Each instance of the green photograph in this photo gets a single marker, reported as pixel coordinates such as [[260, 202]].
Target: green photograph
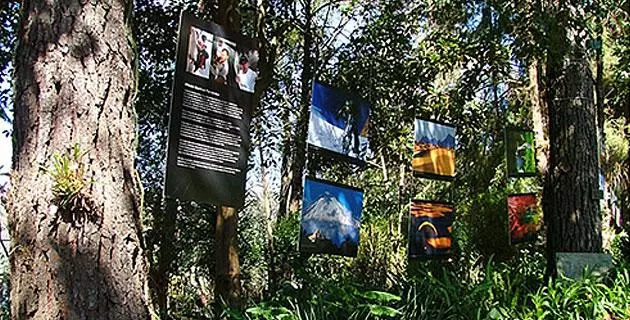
[[520, 152]]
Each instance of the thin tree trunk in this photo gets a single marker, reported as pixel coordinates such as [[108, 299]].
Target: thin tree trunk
[[75, 82], [227, 268], [268, 53], [228, 274], [625, 197], [540, 117], [401, 201], [285, 172], [266, 201], [299, 150], [165, 224]]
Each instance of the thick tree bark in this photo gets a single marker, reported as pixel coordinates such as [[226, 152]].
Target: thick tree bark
[[571, 190], [75, 83], [570, 199]]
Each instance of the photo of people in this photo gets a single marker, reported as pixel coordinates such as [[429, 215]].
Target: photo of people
[[430, 228], [525, 217], [246, 74], [521, 155], [331, 218], [339, 122], [433, 150], [198, 58], [224, 56]]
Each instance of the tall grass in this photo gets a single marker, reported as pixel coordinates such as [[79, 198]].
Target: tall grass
[[498, 291]]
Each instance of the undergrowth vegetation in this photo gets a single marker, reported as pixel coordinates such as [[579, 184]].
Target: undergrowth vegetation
[[499, 290]]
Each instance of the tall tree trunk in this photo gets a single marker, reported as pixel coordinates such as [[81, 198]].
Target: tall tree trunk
[[625, 201], [75, 82], [285, 169], [625, 196], [165, 224], [228, 274], [266, 202], [227, 268], [540, 117], [570, 199], [298, 155]]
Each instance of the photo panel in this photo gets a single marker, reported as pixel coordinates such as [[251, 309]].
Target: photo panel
[[520, 152], [331, 218], [339, 123], [430, 229], [199, 52], [524, 217], [209, 118], [433, 150]]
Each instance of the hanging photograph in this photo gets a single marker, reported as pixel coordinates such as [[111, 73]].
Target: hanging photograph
[[601, 160], [525, 217], [331, 218], [434, 150], [521, 155], [430, 229], [338, 123]]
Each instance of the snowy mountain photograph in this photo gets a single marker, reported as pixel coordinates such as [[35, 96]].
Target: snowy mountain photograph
[[339, 122], [331, 218]]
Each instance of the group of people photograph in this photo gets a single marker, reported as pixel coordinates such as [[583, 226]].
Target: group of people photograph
[[217, 59]]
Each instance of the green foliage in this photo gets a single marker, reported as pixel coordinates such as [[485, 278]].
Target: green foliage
[[9, 13], [513, 289], [617, 144], [329, 302], [620, 248], [253, 251], [187, 302], [5, 303], [616, 151], [485, 219]]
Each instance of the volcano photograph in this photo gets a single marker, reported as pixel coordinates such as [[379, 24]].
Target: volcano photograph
[[331, 218]]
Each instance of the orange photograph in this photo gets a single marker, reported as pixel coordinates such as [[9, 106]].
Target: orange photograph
[[434, 150], [430, 228]]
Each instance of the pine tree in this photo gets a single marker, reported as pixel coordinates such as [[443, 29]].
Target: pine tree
[[75, 201]]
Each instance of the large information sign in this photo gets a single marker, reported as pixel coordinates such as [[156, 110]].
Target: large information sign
[[208, 133]]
